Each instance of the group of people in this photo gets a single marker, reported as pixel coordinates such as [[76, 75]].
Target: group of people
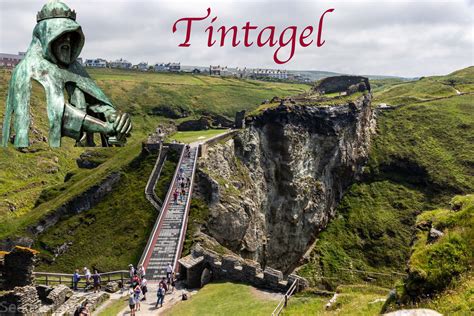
[[138, 287], [90, 278], [182, 182]]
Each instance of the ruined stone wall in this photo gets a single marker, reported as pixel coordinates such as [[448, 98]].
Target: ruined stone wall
[[233, 268]]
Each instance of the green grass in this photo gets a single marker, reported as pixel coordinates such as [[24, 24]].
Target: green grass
[[222, 299], [420, 157], [194, 136], [352, 300], [426, 88], [114, 307], [111, 234], [434, 265], [198, 215], [142, 92]]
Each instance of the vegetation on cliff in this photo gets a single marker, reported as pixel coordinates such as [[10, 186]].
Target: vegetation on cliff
[[421, 156]]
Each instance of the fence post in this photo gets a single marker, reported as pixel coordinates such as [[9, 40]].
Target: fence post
[[46, 280], [121, 278], [60, 280], [286, 300]]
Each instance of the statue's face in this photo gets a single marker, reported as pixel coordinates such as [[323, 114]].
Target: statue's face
[[62, 49]]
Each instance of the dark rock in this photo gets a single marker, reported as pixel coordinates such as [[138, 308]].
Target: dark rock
[[239, 119], [173, 112], [341, 84], [43, 292], [18, 267], [202, 123], [111, 287]]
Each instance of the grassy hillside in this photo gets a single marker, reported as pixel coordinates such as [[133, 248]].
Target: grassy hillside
[[440, 268], [111, 234], [394, 92], [27, 178], [140, 93], [422, 154]]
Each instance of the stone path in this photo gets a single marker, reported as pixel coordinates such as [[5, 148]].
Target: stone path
[[167, 242], [148, 307]]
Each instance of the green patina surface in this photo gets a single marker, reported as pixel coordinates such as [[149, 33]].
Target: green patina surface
[[51, 61]]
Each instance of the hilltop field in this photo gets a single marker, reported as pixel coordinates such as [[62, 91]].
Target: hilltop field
[[421, 157]]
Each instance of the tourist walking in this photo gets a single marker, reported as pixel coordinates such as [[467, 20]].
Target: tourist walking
[[163, 284], [131, 271], [136, 292], [75, 279], [169, 270], [173, 282], [183, 194], [144, 288], [87, 276], [141, 271], [97, 279], [131, 304], [175, 196], [161, 296]]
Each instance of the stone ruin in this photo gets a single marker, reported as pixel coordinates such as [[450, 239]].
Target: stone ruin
[[20, 296], [203, 265], [342, 84]]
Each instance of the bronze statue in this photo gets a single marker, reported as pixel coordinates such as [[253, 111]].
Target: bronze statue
[[76, 106]]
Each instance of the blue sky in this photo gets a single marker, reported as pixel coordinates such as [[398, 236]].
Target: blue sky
[[403, 38]]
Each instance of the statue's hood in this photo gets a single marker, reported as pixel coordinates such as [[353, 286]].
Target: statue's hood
[[47, 31]]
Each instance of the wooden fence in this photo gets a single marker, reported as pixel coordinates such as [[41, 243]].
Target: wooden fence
[[49, 278]]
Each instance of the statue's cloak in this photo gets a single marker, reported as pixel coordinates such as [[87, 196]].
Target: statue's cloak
[[40, 64]]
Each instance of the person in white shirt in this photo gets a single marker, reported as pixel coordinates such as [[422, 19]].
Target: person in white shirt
[[141, 271], [169, 270]]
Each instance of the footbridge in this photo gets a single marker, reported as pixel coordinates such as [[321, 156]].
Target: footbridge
[[166, 240]]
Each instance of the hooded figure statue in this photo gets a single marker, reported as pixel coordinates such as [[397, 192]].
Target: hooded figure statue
[[76, 106]]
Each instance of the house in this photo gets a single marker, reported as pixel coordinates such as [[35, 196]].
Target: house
[[96, 63], [217, 70], [143, 66], [174, 67], [160, 67], [121, 64], [269, 73], [10, 60]]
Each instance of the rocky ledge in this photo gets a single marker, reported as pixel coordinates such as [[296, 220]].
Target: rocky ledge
[[275, 185]]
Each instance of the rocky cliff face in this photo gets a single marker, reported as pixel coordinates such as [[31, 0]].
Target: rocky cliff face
[[276, 184]]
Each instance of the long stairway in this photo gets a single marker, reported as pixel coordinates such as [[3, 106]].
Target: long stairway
[[165, 244]]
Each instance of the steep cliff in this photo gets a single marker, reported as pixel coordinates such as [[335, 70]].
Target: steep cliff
[[276, 184]]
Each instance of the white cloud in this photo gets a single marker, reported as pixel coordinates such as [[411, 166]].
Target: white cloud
[[406, 38]]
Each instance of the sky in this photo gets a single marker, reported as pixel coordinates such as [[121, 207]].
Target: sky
[[399, 38]]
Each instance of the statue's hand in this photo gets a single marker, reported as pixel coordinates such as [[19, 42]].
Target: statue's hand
[[122, 125]]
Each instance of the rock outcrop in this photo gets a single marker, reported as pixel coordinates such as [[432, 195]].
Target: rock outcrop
[[277, 183]]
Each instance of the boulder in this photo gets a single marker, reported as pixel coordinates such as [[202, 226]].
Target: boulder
[[58, 296], [202, 123], [111, 287], [20, 301], [434, 234], [414, 312]]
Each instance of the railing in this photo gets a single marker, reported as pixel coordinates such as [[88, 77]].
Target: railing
[[48, 278], [146, 253], [284, 301], [184, 225], [150, 187]]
